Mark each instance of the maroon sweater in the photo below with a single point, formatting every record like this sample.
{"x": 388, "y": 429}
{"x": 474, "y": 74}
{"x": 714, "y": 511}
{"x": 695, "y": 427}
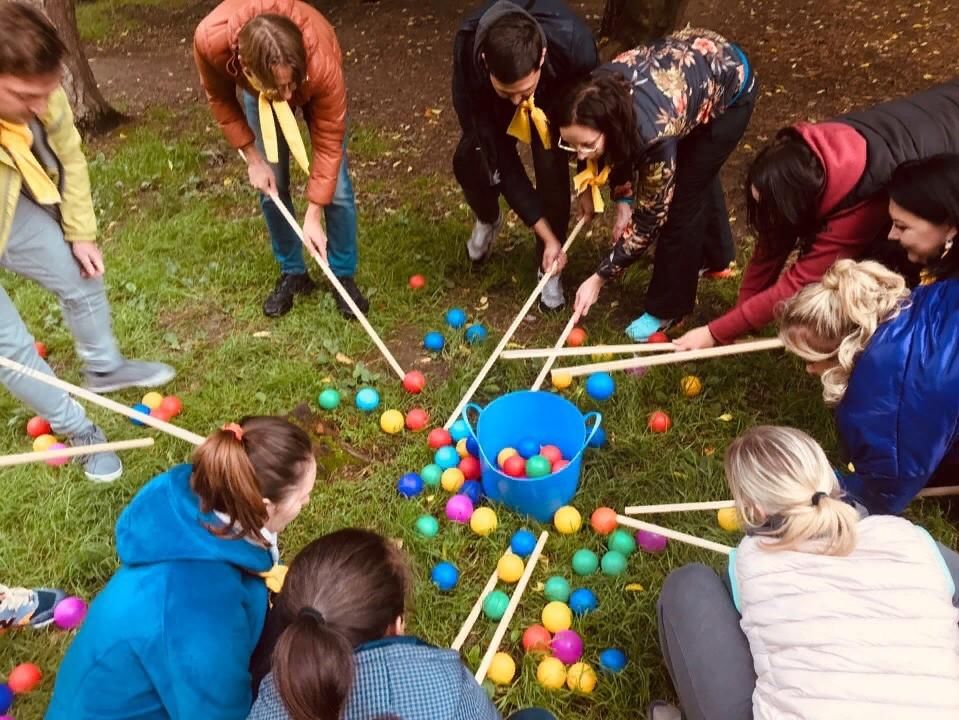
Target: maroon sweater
{"x": 844, "y": 234}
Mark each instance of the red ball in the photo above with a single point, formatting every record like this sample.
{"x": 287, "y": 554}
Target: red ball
{"x": 439, "y": 437}
{"x": 659, "y": 422}
{"x": 603, "y": 520}
{"x": 576, "y": 337}
{"x": 515, "y": 466}
{"x": 551, "y": 453}
{"x": 171, "y": 405}
{"x": 536, "y": 638}
{"x": 559, "y": 465}
{"x": 24, "y": 678}
{"x": 417, "y": 282}
{"x": 41, "y": 348}
{"x": 37, "y": 426}
{"x": 160, "y": 414}
{"x": 470, "y": 467}
{"x": 658, "y": 337}
{"x": 417, "y": 419}
{"x": 414, "y": 381}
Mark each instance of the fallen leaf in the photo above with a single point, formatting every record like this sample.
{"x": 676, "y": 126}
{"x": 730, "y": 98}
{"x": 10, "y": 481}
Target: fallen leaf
{"x": 635, "y": 587}
{"x": 344, "y": 359}
{"x": 709, "y": 452}
{"x": 726, "y": 417}
{"x": 262, "y": 334}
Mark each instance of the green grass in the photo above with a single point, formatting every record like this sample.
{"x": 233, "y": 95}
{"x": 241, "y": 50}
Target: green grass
{"x": 114, "y": 19}
{"x": 188, "y": 266}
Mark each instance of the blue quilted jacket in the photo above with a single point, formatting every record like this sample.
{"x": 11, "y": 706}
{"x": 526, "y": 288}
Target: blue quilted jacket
{"x": 898, "y": 419}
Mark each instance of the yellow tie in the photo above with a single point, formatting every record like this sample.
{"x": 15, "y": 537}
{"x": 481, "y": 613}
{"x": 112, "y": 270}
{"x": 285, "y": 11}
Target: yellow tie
{"x": 589, "y": 178}
{"x": 284, "y": 115}
{"x": 519, "y": 125}
{"x": 17, "y": 140}
{"x": 274, "y": 577}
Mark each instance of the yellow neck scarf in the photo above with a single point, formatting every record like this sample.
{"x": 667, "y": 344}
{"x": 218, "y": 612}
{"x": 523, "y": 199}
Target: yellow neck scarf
{"x": 284, "y": 115}
{"x": 589, "y": 178}
{"x": 519, "y": 126}
{"x": 17, "y": 140}
{"x": 274, "y": 577}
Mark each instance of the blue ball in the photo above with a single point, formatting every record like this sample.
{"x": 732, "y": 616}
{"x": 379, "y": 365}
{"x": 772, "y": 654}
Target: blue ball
{"x": 459, "y": 430}
{"x": 447, "y": 457}
{"x": 600, "y": 386}
{"x": 472, "y": 447}
{"x": 367, "y": 399}
{"x": 434, "y": 341}
{"x": 410, "y": 485}
{"x": 6, "y": 698}
{"x": 473, "y": 490}
{"x": 140, "y": 407}
{"x": 599, "y": 438}
{"x": 612, "y": 659}
{"x": 523, "y": 543}
{"x": 456, "y": 318}
{"x": 445, "y": 576}
{"x": 475, "y": 334}
{"x": 527, "y": 447}
{"x": 583, "y": 601}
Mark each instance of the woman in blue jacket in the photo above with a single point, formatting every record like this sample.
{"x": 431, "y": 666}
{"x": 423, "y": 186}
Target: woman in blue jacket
{"x": 171, "y": 634}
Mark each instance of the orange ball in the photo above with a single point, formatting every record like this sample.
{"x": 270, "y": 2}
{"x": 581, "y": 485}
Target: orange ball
{"x": 171, "y": 405}
{"x": 536, "y": 638}
{"x": 603, "y": 520}
{"x": 24, "y": 678}
{"x": 576, "y": 337}
{"x": 417, "y": 282}
{"x": 41, "y": 348}
{"x": 417, "y": 419}
{"x": 659, "y": 422}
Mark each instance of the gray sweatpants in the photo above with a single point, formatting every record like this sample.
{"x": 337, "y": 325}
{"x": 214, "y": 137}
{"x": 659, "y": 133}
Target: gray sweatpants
{"x": 37, "y": 250}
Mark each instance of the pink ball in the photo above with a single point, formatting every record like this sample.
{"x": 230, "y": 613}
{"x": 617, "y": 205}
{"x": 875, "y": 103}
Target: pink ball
{"x": 650, "y": 541}
{"x": 60, "y": 460}
{"x": 69, "y": 613}
{"x": 551, "y": 453}
{"x": 459, "y": 508}
{"x": 559, "y": 465}
{"x": 567, "y": 647}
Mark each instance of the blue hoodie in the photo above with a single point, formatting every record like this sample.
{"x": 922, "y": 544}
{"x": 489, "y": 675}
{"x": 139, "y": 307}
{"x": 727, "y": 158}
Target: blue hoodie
{"x": 172, "y": 633}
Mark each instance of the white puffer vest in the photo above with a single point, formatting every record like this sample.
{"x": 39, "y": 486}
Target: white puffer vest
{"x": 870, "y": 636}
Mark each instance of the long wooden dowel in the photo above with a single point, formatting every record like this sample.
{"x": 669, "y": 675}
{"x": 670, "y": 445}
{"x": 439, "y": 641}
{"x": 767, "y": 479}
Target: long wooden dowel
{"x": 513, "y": 603}
{"x": 533, "y": 353}
{"x": 675, "y": 357}
{"x": 475, "y": 612}
{"x": 674, "y": 534}
{"x": 163, "y": 426}
{"x": 550, "y": 359}
{"x": 41, "y": 455}
{"x": 944, "y": 491}
{"x": 494, "y": 356}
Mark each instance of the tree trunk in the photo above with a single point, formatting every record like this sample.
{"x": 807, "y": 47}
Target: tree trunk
{"x": 93, "y": 113}
{"x": 628, "y": 23}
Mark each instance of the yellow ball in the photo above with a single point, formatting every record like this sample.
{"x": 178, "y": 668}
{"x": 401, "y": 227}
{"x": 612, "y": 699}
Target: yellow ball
{"x": 561, "y": 380}
{"x": 551, "y": 673}
{"x": 502, "y": 669}
{"x": 567, "y": 520}
{"x": 728, "y": 520}
{"x": 392, "y": 421}
{"x": 691, "y": 386}
{"x": 581, "y": 677}
{"x": 510, "y": 567}
{"x": 602, "y": 356}
{"x": 461, "y": 448}
{"x": 557, "y": 616}
{"x": 152, "y": 400}
{"x": 505, "y": 454}
{"x": 43, "y": 442}
{"x": 483, "y": 521}
{"x": 452, "y": 479}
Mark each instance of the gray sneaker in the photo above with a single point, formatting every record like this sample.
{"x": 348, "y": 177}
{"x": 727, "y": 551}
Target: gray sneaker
{"x": 99, "y": 467}
{"x": 132, "y": 373}
{"x": 482, "y": 238}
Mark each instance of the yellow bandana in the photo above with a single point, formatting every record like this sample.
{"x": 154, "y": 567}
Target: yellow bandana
{"x": 274, "y": 577}
{"x": 589, "y": 178}
{"x": 519, "y": 126}
{"x": 284, "y": 115}
{"x": 17, "y": 140}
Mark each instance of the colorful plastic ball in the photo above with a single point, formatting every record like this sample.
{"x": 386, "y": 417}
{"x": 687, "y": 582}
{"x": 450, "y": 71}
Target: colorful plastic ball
{"x": 434, "y": 341}
{"x": 409, "y": 485}
{"x": 567, "y": 646}
{"x": 600, "y": 386}
{"x": 69, "y": 612}
{"x": 152, "y": 399}
{"x": 622, "y": 542}
{"x": 438, "y": 437}
{"x": 551, "y": 453}
{"x": 452, "y": 480}
{"x": 522, "y": 543}
{"x": 445, "y": 576}
{"x": 417, "y": 419}
{"x": 160, "y": 414}
{"x": 559, "y": 465}
{"x": 427, "y": 526}
{"x": 556, "y": 616}
{"x": 504, "y": 455}
{"x": 475, "y": 334}
{"x": 581, "y": 677}
{"x": 515, "y": 466}
{"x": 446, "y": 457}
{"x": 567, "y": 520}
{"x": 494, "y": 604}
{"x": 728, "y": 519}
{"x": 139, "y": 407}
{"x": 551, "y": 673}
{"x": 658, "y": 337}
{"x": 24, "y": 678}
{"x": 431, "y": 474}
{"x": 37, "y": 426}
{"x": 557, "y": 589}
{"x": 43, "y": 442}
{"x": 417, "y": 282}
{"x": 461, "y": 448}
{"x": 470, "y": 467}
{"x": 527, "y": 448}
{"x": 172, "y": 405}
{"x": 459, "y": 431}
{"x": 659, "y": 422}
{"x": 585, "y": 562}
{"x": 502, "y": 669}
{"x": 612, "y": 660}
{"x": 538, "y": 466}
{"x": 414, "y": 382}
{"x": 41, "y": 348}
{"x": 510, "y": 568}
{"x": 6, "y": 698}
{"x": 598, "y": 439}
{"x": 473, "y": 490}
{"x": 472, "y": 447}
{"x": 392, "y": 422}
{"x": 651, "y": 542}
{"x": 456, "y": 318}
{"x": 459, "y": 508}
{"x": 561, "y": 380}
{"x": 56, "y": 462}
{"x": 613, "y": 563}
{"x": 691, "y": 386}
{"x": 483, "y": 521}
{"x": 536, "y": 638}
{"x": 583, "y": 601}
{"x": 603, "y": 520}
{"x": 576, "y": 337}
{"x": 367, "y": 399}
{"x": 329, "y": 399}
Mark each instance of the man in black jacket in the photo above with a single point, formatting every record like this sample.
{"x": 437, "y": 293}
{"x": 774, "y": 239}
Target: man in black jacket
{"x": 510, "y": 63}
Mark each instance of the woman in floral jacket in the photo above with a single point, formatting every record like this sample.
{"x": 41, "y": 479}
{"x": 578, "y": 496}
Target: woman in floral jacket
{"x": 658, "y": 122}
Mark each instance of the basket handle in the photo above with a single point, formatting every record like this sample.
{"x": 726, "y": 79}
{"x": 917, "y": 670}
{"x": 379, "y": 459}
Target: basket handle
{"x": 469, "y": 426}
{"x": 591, "y": 430}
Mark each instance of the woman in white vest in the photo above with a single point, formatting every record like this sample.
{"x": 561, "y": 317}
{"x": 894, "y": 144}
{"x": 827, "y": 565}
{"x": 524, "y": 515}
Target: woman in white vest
{"x": 823, "y": 615}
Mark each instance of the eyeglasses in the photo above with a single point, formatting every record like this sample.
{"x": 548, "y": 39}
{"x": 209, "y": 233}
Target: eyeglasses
{"x": 584, "y": 149}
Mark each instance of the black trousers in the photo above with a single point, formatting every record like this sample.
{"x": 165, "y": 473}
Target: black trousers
{"x": 482, "y": 190}
{"x": 697, "y": 233}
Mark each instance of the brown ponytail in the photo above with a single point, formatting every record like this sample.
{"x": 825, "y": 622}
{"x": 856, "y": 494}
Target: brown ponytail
{"x": 343, "y": 589}
{"x": 269, "y": 40}
{"x": 238, "y": 467}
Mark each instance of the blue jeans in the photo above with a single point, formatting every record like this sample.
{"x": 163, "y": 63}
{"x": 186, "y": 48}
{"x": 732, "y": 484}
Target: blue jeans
{"x": 340, "y": 214}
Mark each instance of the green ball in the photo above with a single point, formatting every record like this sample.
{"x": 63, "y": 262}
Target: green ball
{"x": 585, "y": 562}
{"x": 329, "y": 399}
{"x": 622, "y": 542}
{"x": 431, "y": 474}
{"x": 538, "y": 466}
{"x": 557, "y": 589}
{"x": 494, "y": 604}
{"x": 427, "y": 526}
{"x": 614, "y": 563}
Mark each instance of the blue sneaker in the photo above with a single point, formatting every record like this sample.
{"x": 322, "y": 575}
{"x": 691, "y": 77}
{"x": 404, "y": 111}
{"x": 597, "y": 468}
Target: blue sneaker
{"x": 645, "y": 325}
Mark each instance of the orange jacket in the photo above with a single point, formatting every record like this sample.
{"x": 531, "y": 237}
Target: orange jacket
{"x": 322, "y": 95}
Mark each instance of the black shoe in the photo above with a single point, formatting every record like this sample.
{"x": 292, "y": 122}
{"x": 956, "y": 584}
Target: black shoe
{"x": 280, "y": 301}
{"x": 349, "y": 284}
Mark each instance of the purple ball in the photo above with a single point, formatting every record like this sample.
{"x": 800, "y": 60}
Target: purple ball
{"x": 567, "y": 647}
{"x": 459, "y": 508}
{"x": 69, "y": 613}
{"x": 650, "y": 541}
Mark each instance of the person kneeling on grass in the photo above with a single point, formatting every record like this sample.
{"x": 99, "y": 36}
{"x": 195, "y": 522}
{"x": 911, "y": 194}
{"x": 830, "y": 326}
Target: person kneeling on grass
{"x": 826, "y": 615}
{"x": 171, "y": 635}
{"x": 23, "y": 607}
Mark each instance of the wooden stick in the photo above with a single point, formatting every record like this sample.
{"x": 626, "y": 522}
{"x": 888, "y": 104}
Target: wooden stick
{"x": 674, "y": 534}
{"x": 513, "y": 601}
{"x": 940, "y": 491}
{"x": 675, "y": 357}
{"x": 550, "y": 359}
{"x": 40, "y": 455}
{"x": 475, "y": 612}
{"x": 491, "y": 360}
{"x": 163, "y": 426}
{"x": 532, "y": 353}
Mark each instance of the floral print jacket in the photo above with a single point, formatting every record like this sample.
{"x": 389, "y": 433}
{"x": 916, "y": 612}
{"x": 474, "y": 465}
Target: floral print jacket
{"x": 678, "y": 83}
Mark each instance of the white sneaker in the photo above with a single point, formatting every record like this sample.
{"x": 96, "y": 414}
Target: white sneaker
{"x": 482, "y": 238}
{"x": 552, "y": 297}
